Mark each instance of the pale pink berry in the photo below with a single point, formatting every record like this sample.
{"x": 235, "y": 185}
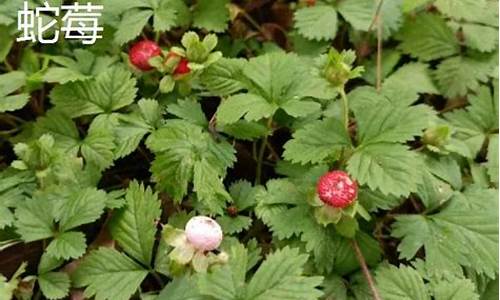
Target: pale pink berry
{"x": 203, "y": 233}
{"x": 337, "y": 189}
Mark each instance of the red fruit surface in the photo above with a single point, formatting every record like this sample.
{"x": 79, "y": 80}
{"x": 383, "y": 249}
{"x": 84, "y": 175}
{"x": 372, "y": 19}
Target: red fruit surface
{"x": 182, "y": 67}
{"x": 141, "y": 52}
{"x": 337, "y": 189}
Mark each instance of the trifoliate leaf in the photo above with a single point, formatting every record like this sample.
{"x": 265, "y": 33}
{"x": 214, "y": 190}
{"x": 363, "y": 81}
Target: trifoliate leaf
{"x": 54, "y": 285}
{"x": 318, "y": 22}
{"x": 9, "y": 83}
{"x": 184, "y": 153}
{"x": 427, "y": 38}
{"x": 108, "y": 92}
{"x": 450, "y": 237}
{"x": 67, "y": 245}
{"x": 458, "y": 75}
{"x": 108, "y": 274}
{"x": 390, "y": 168}
{"x": 403, "y": 283}
{"x": 211, "y": 15}
{"x": 134, "y": 227}
{"x": 317, "y": 141}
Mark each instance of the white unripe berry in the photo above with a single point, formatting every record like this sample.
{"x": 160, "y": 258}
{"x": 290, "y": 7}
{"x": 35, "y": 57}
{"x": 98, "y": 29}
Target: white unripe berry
{"x": 203, "y": 233}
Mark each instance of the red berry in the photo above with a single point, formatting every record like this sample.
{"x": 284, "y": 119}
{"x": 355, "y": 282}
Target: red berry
{"x": 141, "y": 52}
{"x": 337, "y": 189}
{"x": 182, "y": 66}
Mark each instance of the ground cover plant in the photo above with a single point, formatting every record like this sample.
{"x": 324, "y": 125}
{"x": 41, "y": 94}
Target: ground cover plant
{"x": 252, "y": 150}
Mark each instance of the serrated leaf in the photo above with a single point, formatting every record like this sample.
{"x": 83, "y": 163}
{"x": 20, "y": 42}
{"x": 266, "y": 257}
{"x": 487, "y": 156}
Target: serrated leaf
{"x": 318, "y": 22}
{"x": 232, "y": 225}
{"x": 211, "y": 15}
{"x": 452, "y": 235}
{"x": 390, "y": 168}
{"x": 375, "y": 200}
{"x": 34, "y": 219}
{"x": 458, "y": 75}
{"x": 456, "y": 289}
{"x": 134, "y": 227}
{"x": 244, "y": 130}
{"x": 493, "y": 158}
{"x": 9, "y": 83}
{"x": 471, "y": 10}
{"x": 183, "y": 288}
{"x": 108, "y": 274}
{"x": 482, "y": 38}
{"x": 224, "y": 76}
{"x": 165, "y": 16}
{"x": 131, "y": 25}
{"x": 388, "y": 124}
{"x": 188, "y": 110}
{"x": 251, "y": 107}
{"x": 108, "y": 92}
{"x": 317, "y": 141}
{"x": 97, "y": 147}
{"x": 427, "y": 38}
{"x": 67, "y": 245}
{"x": 80, "y": 206}
{"x": 279, "y": 277}
{"x": 359, "y": 13}
{"x": 403, "y": 283}
{"x": 54, "y": 285}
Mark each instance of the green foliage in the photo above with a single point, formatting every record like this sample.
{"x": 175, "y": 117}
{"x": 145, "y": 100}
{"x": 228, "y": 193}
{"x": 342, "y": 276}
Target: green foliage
{"x": 248, "y": 105}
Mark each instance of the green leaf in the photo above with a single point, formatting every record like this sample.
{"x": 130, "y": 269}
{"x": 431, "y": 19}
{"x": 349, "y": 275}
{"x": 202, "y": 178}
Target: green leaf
{"x": 317, "y": 141}
{"x": 7, "y": 288}
{"x": 404, "y": 86}
{"x": 81, "y": 206}
{"x": 54, "y": 285}
{"x": 108, "y": 274}
{"x": 251, "y": 107}
{"x": 134, "y": 227}
{"x": 97, "y": 147}
{"x": 482, "y": 38}
{"x": 455, "y": 289}
{"x": 244, "y": 130}
{"x": 183, "y": 288}
{"x": 318, "y": 22}
{"x": 480, "y": 11}
{"x": 67, "y": 245}
{"x": 452, "y": 235}
{"x": 185, "y": 152}
{"x": 492, "y": 163}
{"x": 109, "y": 91}
{"x": 61, "y": 127}
{"x": 427, "y": 38}
{"x": 389, "y": 168}
{"x": 374, "y": 200}
{"x": 280, "y": 277}
{"x": 9, "y": 83}
{"x": 165, "y": 16}
{"x": 131, "y": 25}
{"x": 359, "y": 13}
{"x": 188, "y": 110}
{"x": 232, "y": 225}
{"x": 224, "y": 77}
{"x": 458, "y": 75}
{"x": 403, "y": 283}
{"x": 212, "y": 15}
{"x": 34, "y": 219}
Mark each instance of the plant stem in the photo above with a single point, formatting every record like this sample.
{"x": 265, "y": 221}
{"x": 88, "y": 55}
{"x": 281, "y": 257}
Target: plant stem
{"x": 345, "y": 108}
{"x": 366, "y": 272}
{"x": 260, "y": 157}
